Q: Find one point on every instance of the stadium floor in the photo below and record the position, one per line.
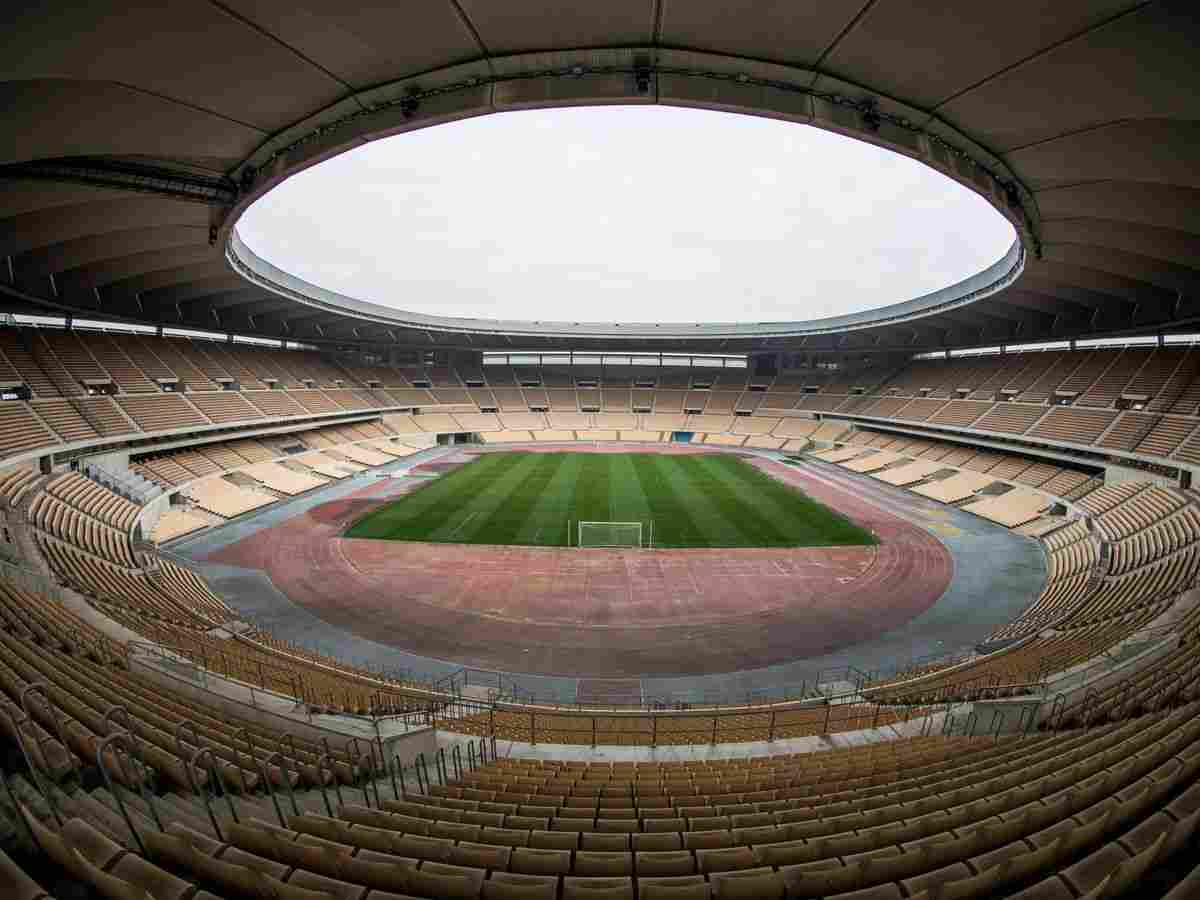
(729, 657)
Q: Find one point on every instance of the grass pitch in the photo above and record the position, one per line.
(710, 500)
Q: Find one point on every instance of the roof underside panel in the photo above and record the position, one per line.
(136, 132)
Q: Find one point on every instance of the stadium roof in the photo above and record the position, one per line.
(135, 134)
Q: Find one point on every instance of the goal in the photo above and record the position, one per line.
(610, 534)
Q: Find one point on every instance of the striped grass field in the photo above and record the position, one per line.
(702, 500)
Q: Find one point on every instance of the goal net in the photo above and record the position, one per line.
(610, 534)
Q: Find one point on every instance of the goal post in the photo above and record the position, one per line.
(610, 534)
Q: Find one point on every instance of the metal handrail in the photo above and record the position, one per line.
(1033, 711)
(398, 767)
(20, 811)
(180, 727)
(34, 773)
(1057, 708)
(421, 769)
(115, 738)
(193, 760)
(354, 748)
(43, 688)
(262, 767)
(971, 722)
(337, 786)
(392, 776)
(324, 757)
(250, 752)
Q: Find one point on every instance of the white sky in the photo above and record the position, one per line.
(625, 214)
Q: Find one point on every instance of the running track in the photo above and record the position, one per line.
(606, 613)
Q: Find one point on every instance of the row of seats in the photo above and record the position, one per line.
(1173, 677)
(88, 674)
(1073, 557)
(323, 684)
(1079, 814)
(1135, 552)
(162, 601)
(1117, 615)
(1163, 378)
(180, 466)
(921, 392)
(885, 456)
(93, 499)
(1141, 511)
(137, 364)
(223, 498)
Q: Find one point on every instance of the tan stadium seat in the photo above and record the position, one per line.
(707, 840)
(878, 892)
(664, 824)
(596, 840)
(665, 862)
(474, 877)
(665, 840)
(572, 824)
(491, 820)
(751, 884)
(785, 853)
(508, 809)
(402, 822)
(494, 889)
(229, 879)
(603, 863)
(426, 848)
(725, 860)
(526, 822)
(520, 879)
(618, 826)
(752, 819)
(332, 887)
(709, 823)
(480, 856)
(688, 887)
(554, 840)
(530, 861)
(761, 834)
(95, 846)
(597, 888)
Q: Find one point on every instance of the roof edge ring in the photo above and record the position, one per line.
(636, 75)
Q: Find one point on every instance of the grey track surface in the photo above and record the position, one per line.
(996, 575)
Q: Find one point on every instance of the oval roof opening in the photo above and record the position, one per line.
(646, 214)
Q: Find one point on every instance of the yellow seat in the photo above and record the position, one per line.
(618, 888)
(664, 862)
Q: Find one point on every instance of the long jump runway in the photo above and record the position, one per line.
(604, 613)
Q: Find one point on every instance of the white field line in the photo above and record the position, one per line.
(462, 525)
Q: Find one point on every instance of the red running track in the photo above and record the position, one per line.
(604, 613)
